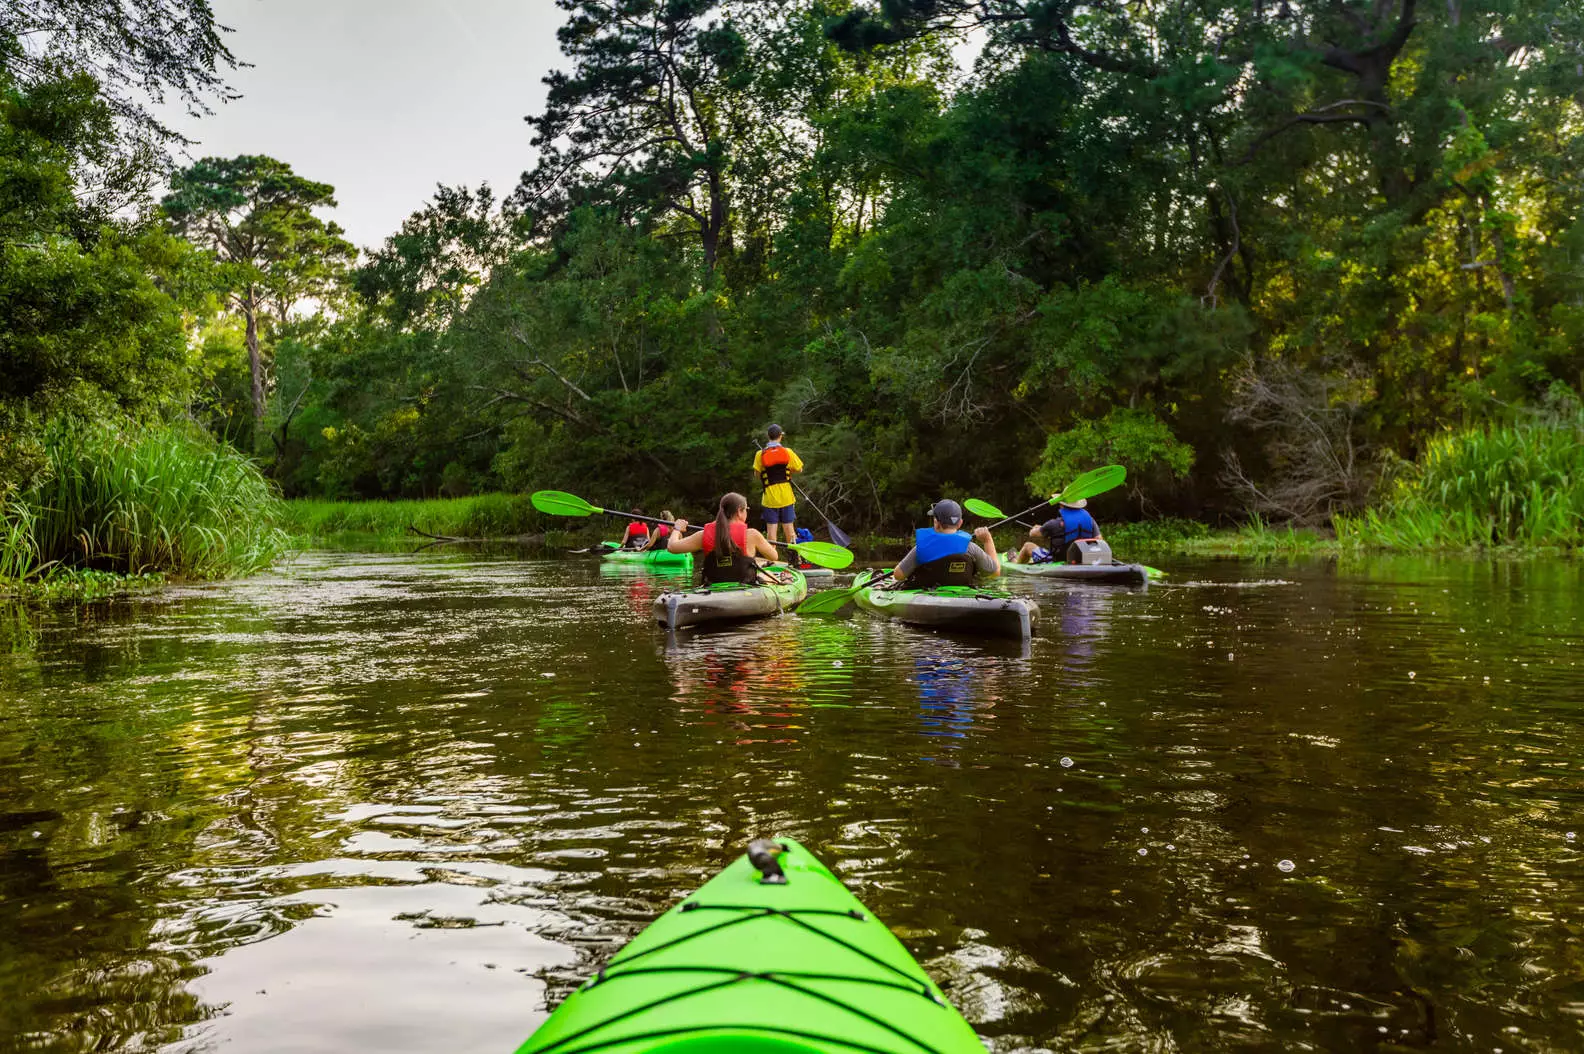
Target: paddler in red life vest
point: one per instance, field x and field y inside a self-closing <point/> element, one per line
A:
<point x="943" y="555"/>
<point x="637" y="533"/>
<point x="774" y="465"/>
<point x="727" y="547"/>
<point x="661" y="532"/>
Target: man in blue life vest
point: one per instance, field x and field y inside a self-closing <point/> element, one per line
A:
<point x="1048" y="543"/>
<point x="943" y="555"/>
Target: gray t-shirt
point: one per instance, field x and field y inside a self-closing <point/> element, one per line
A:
<point x="980" y="558"/>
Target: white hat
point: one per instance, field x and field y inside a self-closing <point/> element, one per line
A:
<point x="1081" y="503"/>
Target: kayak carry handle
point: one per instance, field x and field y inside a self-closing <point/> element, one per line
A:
<point x="762" y="853"/>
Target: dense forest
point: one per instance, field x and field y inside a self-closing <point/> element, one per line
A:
<point x="1261" y="253"/>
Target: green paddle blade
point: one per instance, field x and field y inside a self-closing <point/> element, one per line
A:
<point x="983" y="508"/>
<point x="827" y="601"/>
<point x="1154" y="572"/>
<point x="560" y="503"/>
<point x="822" y="553"/>
<point x="1089" y="484"/>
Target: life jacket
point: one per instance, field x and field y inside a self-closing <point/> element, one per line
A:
<point x="635" y="530"/>
<point x="1076" y="524"/>
<point x="773" y="462"/>
<point x="942" y="559"/>
<point x="737" y="567"/>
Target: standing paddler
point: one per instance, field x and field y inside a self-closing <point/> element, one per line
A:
<point x="727" y="547"/>
<point x="942" y="555"/>
<point x="774" y="464"/>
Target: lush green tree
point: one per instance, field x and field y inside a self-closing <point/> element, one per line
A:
<point x="255" y="215"/>
<point x="84" y="328"/>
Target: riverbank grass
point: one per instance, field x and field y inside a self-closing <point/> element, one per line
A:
<point x="315" y="523"/>
<point x="136" y="500"/>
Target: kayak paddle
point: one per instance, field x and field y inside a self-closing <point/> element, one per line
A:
<point x="827" y="601"/>
<point x="560" y="503"/>
<point x="1097" y="481"/>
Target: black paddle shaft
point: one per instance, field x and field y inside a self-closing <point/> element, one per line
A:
<point x="1020" y="515"/>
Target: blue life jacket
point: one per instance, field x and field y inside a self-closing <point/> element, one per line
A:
<point x="1076" y="524"/>
<point x="942" y="559"/>
<point x="804" y="534"/>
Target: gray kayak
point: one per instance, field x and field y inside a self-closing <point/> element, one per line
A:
<point x="954" y="609"/>
<point x="1111" y="574"/>
<point x="722" y="603"/>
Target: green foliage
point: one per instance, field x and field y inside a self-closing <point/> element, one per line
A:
<point x="1135" y="439"/>
<point x="136" y="499"/>
<point x="1519" y="484"/>
<point x="480" y="516"/>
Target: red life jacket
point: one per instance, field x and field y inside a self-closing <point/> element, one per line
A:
<point x="774" y="463"/>
<point x="635" y="530"/>
<point x="738" y="567"/>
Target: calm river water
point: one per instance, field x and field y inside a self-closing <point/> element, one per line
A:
<point x="398" y="803"/>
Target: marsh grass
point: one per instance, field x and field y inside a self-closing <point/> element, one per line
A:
<point x="137" y="500"/>
<point x="480" y="516"/>
<point x="1513" y="485"/>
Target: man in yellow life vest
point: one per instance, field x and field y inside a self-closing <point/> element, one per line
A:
<point x="774" y="465"/>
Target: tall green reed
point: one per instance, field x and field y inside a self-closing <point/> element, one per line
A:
<point x="141" y="498"/>
<point x="1501" y="485"/>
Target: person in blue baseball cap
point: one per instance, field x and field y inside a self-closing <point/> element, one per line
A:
<point x="944" y="555"/>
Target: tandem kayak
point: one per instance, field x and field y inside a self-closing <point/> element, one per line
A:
<point x="957" y="609"/>
<point x="648" y="557"/>
<point x="1111" y="574"/>
<point x="731" y="602"/>
<point x="771" y="956"/>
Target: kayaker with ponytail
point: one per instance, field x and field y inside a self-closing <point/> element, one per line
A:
<point x="727" y="547"/>
<point x="1049" y="542"/>
<point x="942" y="555"/>
<point x="774" y="465"/>
<point x="661" y="532"/>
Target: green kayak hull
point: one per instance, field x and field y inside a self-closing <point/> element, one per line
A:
<point x="730" y="603"/>
<point x="649" y="557"/>
<point x="953" y="609"/>
<point x="744" y="965"/>
<point x="1106" y="574"/>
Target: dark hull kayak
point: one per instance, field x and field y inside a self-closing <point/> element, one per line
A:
<point x="729" y="603"/>
<point x="1109" y="574"/>
<point x="954" y="609"/>
<point x="748" y="965"/>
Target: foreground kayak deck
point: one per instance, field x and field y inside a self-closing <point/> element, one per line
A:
<point x="955" y="609"/>
<point x="748" y="965"/>
<point x="730" y="603"/>
<point x="1130" y="574"/>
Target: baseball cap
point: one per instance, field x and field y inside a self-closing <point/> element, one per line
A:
<point x="947" y="512"/>
<point x="774" y="431"/>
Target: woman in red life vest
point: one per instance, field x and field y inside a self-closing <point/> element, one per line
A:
<point x="661" y="532"/>
<point x="637" y="533"/>
<point x="728" y="546"/>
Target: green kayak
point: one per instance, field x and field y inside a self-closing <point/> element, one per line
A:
<point x="771" y="956"/>
<point x="955" y="609"/>
<point x="647" y="557"/>
<point x="722" y="603"/>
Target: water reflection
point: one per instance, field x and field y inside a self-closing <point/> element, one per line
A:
<point x="406" y="802"/>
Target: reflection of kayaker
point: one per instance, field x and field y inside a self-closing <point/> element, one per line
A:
<point x="946" y="697"/>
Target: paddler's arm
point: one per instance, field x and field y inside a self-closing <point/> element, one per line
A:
<point x="906" y="566"/>
<point x="988" y="550"/>
<point x="683" y="542"/>
<point x="758" y="546"/>
<point x="794" y="463"/>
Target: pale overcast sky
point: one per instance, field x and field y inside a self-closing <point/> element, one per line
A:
<point x="384" y="98"/>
